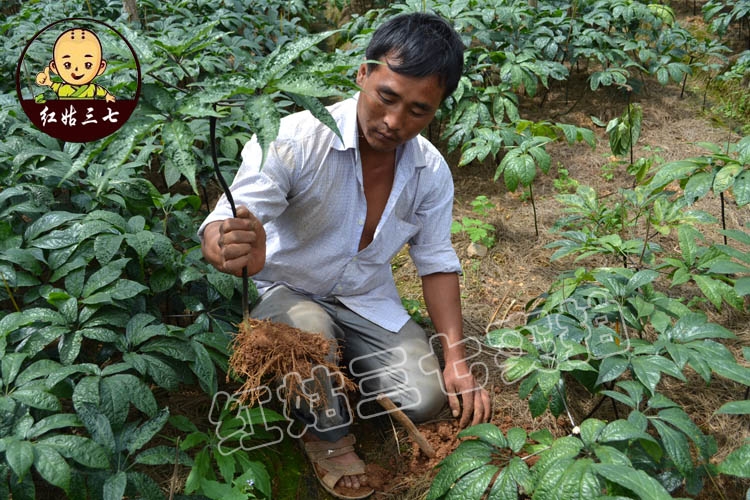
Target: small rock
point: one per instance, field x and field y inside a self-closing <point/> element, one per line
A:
<point x="476" y="250"/>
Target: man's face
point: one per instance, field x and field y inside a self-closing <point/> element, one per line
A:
<point x="394" y="108"/>
<point x="78" y="57"/>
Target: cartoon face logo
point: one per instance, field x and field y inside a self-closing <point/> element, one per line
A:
<point x="77" y="58"/>
<point x="72" y="96"/>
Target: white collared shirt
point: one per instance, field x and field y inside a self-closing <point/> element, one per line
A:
<point x="309" y="196"/>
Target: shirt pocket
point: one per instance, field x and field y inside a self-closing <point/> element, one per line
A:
<point x="392" y="238"/>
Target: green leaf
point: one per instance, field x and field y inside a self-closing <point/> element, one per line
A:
<point x="489" y="433"/>
<point x="178" y="149"/>
<point x="676" y="445"/>
<point x="161" y="280"/>
<point x="10" y="365"/>
<point x="114" y="400"/>
<point x="620" y="430"/>
<point x="226" y="466"/>
<point x="48" y="221"/>
<point x="537" y="402"/>
<point x="725" y="177"/>
<point x="516" y="439"/>
<point x="161" y="455"/>
<point x="610" y="455"/>
<point x="730" y="369"/>
<point x="141" y="242"/>
<point x="611" y="368"/>
<point x="547" y="380"/>
<point x="16" y="320"/>
<point x="56" y="421"/>
<point x="679" y="419"/>
<point x="741" y="189"/>
<point x="222" y="282"/>
<point x="98" y="426"/>
<point x="735" y="408"/>
<point x="646" y="371"/>
<point x="504" y="487"/>
<point x="590" y="430"/>
<point x="282" y="57"/>
<point x="201" y="468"/>
<point x="204" y="369"/>
<point x="37" y="398"/>
<point x="52" y="467"/>
<point x="264" y="120"/>
<point x="688" y="242"/>
<point x="20" y="456"/>
<point x="468" y="456"/>
<point x="114" y="486"/>
<point x="698" y="186"/>
<point x="516" y="368"/>
<point x="69" y="346"/>
<point x="473" y="484"/>
<point x="145" y="486"/>
<point x="637" y="481"/>
<point x="711" y="288"/>
<point x="318" y="110"/>
<point x="104" y="276"/>
<point x="148" y="430"/>
<point x="257" y="472"/>
<point x="737" y="463"/>
<point x="126" y="289"/>
<point x="742" y="286"/>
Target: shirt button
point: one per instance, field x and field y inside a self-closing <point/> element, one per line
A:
<point x="360" y="222"/>
<point x="354" y="259"/>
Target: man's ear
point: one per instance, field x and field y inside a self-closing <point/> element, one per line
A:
<point x="102" y="67"/>
<point x="53" y="67"/>
<point x="361" y="74"/>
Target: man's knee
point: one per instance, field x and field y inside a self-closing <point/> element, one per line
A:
<point x="430" y="399"/>
<point x="282" y="305"/>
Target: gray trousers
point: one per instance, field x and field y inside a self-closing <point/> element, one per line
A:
<point x="400" y="365"/>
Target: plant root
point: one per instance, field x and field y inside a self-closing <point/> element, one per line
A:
<point x="264" y="352"/>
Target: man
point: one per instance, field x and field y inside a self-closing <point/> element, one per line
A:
<point x="77" y="58"/>
<point x="324" y="218"/>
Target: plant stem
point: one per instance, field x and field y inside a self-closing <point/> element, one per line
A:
<point x="630" y="130"/>
<point x="565" y="404"/>
<point x="596" y="407"/>
<point x="614" y="406"/>
<point x="684" y="79"/>
<point x="705" y="91"/>
<point x="723" y="220"/>
<point x="645" y="242"/>
<point x="533" y="206"/>
<point x="9" y="292"/>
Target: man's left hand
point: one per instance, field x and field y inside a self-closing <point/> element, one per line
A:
<point x="475" y="400"/>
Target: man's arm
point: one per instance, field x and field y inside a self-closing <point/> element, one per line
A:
<point x="443" y="300"/>
<point x="231" y="244"/>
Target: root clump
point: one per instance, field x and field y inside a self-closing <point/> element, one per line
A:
<point x="264" y="352"/>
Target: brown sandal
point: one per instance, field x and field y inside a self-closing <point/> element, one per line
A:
<point x="320" y="451"/>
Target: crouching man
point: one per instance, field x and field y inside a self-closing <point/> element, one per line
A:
<point x="319" y="224"/>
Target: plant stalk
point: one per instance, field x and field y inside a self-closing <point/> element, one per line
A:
<point x="533" y="206"/>
<point x="10" y="294"/>
<point x="723" y="220"/>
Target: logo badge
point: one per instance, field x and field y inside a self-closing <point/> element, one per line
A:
<point x="78" y="80"/>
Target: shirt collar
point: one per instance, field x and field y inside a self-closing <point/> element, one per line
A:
<point x="410" y="152"/>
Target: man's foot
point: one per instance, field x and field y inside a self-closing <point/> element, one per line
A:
<point x="355" y="481"/>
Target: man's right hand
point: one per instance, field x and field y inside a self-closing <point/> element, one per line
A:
<point x="232" y="244"/>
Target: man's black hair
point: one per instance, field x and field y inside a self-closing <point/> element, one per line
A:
<point x="419" y="45"/>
